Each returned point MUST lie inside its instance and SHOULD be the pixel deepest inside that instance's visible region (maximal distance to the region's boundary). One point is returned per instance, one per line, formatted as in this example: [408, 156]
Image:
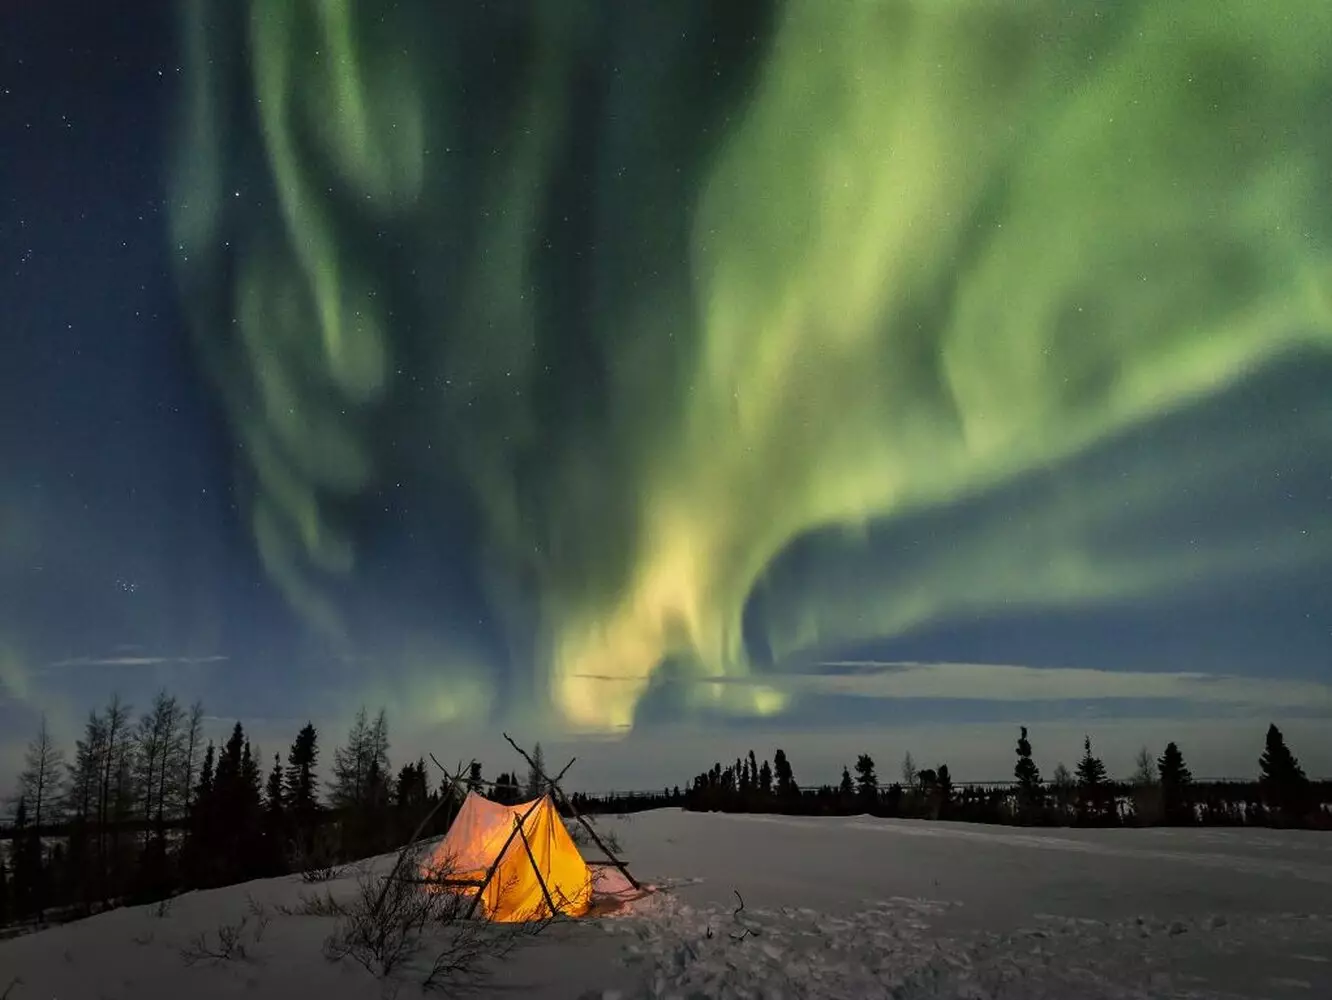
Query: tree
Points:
[4, 893]
[909, 772]
[274, 793]
[203, 793]
[944, 785]
[536, 782]
[251, 781]
[1091, 781]
[1283, 782]
[188, 762]
[847, 788]
[1065, 788]
[42, 780]
[765, 779]
[411, 789]
[115, 724]
[1144, 769]
[1175, 780]
[474, 781]
[1027, 773]
[26, 860]
[867, 782]
[785, 775]
[299, 782]
[156, 748]
[351, 763]
[361, 766]
[1146, 796]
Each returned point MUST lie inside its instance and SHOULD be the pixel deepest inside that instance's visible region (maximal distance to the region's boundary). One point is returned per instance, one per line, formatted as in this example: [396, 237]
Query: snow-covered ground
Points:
[833, 907]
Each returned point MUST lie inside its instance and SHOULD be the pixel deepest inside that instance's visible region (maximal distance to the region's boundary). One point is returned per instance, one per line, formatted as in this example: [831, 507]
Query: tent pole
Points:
[494, 865]
[536, 869]
[586, 825]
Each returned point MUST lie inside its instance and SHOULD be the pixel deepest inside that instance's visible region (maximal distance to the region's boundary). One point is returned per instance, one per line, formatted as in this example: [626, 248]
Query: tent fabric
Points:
[477, 837]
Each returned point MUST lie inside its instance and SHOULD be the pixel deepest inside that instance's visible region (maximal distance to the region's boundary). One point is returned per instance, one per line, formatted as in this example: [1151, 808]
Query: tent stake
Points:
[565, 799]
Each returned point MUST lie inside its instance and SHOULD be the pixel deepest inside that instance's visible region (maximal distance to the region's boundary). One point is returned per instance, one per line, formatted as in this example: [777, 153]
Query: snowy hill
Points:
[832, 907]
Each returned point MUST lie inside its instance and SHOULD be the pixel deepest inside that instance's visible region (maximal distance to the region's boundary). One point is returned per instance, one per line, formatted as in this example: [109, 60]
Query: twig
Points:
[13, 985]
[229, 945]
[747, 931]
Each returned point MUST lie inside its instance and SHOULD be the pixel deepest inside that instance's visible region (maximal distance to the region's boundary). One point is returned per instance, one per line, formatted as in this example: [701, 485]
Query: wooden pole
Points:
[537, 869]
[402, 854]
[576, 815]
[499, 857]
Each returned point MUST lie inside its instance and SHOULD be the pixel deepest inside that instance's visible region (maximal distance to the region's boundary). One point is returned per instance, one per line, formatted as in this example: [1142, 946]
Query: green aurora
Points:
[909, 253]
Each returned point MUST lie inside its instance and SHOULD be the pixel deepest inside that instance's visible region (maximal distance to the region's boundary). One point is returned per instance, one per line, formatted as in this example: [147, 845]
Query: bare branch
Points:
[230, 944]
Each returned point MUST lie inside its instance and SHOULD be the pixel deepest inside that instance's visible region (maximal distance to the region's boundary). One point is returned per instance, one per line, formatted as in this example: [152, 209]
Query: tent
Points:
[519, 858]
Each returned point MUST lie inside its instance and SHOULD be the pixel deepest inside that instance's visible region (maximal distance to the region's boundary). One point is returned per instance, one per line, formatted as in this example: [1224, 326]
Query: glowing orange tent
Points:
[531, 853]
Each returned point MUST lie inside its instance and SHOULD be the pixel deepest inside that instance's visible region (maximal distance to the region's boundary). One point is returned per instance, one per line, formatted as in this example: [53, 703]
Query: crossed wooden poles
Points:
[553, 784]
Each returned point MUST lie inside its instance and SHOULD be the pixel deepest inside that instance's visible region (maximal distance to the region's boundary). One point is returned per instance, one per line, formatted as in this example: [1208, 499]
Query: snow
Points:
[832, 907]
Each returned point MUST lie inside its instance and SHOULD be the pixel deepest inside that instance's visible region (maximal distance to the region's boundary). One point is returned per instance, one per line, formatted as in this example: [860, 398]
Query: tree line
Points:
[145, 808]
[1161, 790]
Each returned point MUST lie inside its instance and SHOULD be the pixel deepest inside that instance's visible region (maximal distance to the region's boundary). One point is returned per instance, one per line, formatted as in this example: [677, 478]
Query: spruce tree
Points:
[474, 781]
[847, 788]
[765, 780]
[1091, 781]
[1283, 781]
[1175, 780]
[867, 782]
[275, 823]
[785, 776]
[300, 791]
[945, 790]
[1027, 773]
[274, 795]
[536, 782]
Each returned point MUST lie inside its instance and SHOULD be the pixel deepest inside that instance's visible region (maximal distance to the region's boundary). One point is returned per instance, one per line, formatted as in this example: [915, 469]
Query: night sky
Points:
[662, 380]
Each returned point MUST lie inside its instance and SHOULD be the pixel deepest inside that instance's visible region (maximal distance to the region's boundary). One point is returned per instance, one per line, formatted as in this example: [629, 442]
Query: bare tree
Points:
[85, 772]
[1144, 769]
[188, 761]
[909, 772]
[351, 764]
[115, 724]
[156, 744]
[42, 780]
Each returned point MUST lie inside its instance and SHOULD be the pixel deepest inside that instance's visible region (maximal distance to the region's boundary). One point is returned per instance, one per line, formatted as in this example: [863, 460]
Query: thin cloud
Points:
[133, 661]
[1012, 683]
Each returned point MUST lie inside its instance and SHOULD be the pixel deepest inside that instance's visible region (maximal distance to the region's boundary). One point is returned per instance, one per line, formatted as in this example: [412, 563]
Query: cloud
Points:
[134, 661]
[1012, 683]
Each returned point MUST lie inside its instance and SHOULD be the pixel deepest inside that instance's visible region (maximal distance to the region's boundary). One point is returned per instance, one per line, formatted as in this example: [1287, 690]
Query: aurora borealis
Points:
[599, 363]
